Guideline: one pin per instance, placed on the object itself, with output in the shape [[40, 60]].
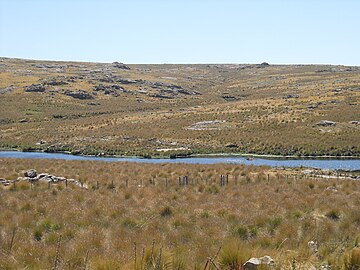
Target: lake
[[333, 164]]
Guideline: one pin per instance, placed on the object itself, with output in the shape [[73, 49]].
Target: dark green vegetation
[[163, 110]]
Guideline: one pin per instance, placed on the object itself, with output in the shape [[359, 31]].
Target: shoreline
[[208, 155]]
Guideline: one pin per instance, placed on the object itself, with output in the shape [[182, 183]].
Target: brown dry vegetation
[[266, 109], [160, 225]]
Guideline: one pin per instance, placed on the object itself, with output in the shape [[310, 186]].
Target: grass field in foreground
[[153, 223]]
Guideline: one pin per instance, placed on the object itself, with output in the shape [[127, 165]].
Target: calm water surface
[[346, 164]]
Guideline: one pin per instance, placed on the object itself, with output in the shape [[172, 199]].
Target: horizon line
[[181, 63]]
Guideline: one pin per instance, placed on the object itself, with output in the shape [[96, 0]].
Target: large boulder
[[30, 173]]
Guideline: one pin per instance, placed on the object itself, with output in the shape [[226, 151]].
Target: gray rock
[[121, 65], [93, 103], [254, 263], [188, 92], [291, 96], [42, 175], [229, 98], [6, 89], [127, 81], [313, 106], [313, 246], [163, 84], [55, 82], [30, 173], [162, 96], [4, 182], [326, 123], [231, 145], [35, 88], [110, 89], [79, 94], [41, 142]]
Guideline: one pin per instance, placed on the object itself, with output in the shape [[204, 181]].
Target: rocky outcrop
[[35, 88], [120, 66], [113, 90], [79, 94], [32, 176], [117, 79], [169, 90]]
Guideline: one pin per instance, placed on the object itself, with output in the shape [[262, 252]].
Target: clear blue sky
[[198, 31]]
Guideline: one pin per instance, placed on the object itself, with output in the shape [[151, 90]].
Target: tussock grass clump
[[234, 254], [352, 261]]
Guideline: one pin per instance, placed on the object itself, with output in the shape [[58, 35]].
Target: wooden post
[[222, 180], [66, 183]]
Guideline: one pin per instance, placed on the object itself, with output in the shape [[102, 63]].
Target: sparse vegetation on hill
[[160, 110], [137, 216]]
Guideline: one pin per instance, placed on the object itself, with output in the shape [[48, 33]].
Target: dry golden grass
[[160, 225], [261, 120]]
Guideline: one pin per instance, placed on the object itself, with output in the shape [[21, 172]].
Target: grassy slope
[[254, 216], [260, 120]]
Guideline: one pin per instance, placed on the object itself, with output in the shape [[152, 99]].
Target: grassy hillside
[[153, 110], [136, 216]]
